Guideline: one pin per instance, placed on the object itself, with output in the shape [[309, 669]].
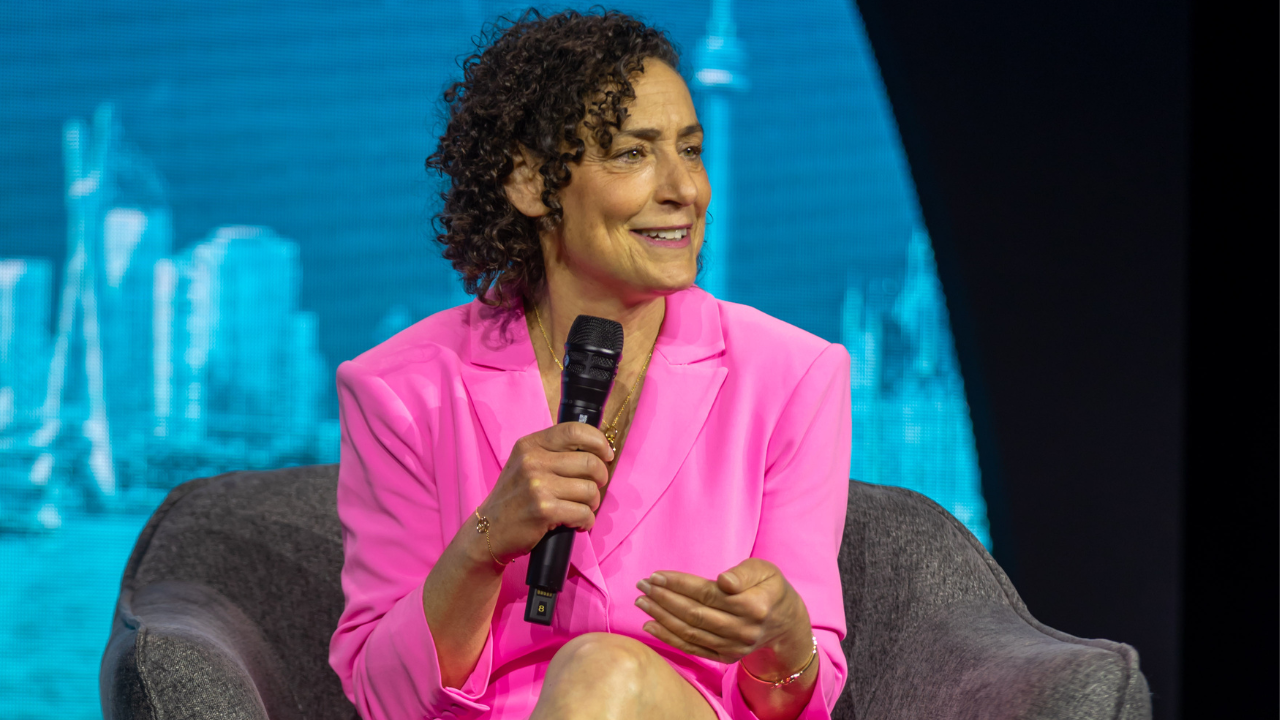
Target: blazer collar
[[498, 338], [684, 379], [690, 328]]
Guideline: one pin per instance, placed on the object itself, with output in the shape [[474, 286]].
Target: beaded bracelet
[[788, 679]]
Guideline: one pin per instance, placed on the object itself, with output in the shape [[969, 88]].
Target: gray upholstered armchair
[[232, 591]]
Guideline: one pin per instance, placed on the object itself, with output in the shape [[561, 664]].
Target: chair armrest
[[985, 661], [935, 628], [182, 650]]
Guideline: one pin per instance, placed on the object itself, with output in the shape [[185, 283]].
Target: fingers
[[572, 514], [698, 624], [576, 465], [546, 471], [583, 492], [696, 588], [746, 575], [754, 587], [658, 630], [568, 436], [547, 492], [554, 512], [575, 476]]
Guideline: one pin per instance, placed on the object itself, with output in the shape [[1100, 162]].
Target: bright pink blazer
[[739, 448]]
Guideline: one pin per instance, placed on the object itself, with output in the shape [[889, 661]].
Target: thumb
[[744, 576]]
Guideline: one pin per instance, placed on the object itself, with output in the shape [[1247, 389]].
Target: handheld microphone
[[591, 357]]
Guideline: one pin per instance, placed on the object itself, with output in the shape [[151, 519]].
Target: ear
[[524, 185]]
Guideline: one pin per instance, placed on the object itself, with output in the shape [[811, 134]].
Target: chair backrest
[[259, 556], [234, 589]]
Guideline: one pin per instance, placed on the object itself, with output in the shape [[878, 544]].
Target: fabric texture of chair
[[232, 592]]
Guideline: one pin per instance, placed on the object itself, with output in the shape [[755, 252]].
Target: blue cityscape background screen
[[207, 206]]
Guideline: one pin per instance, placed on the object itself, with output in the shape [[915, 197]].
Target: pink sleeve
[[387, 501], [802, 519]]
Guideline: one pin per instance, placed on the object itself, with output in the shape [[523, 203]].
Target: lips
[[671, 236], [663, 238], [678, 232]]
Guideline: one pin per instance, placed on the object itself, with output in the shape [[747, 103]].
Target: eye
[[693, 152], [631, 154]]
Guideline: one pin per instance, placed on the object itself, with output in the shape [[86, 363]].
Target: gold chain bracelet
[[482, 527], [788, 679]]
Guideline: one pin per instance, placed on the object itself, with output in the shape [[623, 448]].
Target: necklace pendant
[[611, 434]]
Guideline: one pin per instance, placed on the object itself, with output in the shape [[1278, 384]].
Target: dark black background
[[1099, 179], [1230, 620]]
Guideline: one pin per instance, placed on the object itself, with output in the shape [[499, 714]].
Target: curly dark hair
[[532, 82]]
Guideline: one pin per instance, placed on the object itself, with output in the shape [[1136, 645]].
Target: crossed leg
[[613, 677]]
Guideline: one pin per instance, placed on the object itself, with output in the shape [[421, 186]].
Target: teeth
[[666, 234]]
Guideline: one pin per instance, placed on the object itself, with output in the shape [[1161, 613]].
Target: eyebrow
[[652, 134]]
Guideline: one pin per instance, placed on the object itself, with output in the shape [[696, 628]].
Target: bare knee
[[616, 661], [597, 675], [600, 675]]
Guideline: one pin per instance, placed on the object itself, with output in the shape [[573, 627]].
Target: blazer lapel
[[502, 381], [684, 379], [505, 389]]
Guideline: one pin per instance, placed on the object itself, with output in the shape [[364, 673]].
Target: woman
[[710, 505]]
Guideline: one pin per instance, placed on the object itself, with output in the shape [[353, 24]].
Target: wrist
[[780, 659], [787, 653], [784, 681], [474, 546]]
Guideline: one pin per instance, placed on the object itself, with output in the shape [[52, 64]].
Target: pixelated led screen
[[207, 206]]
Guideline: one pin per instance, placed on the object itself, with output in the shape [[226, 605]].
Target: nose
[[677, 184]]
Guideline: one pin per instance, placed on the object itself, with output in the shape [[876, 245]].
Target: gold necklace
[[610, 430]]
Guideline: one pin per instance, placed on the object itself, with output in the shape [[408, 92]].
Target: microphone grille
[[596, 332]]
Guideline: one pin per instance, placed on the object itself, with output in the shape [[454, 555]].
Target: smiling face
[[635, 215]]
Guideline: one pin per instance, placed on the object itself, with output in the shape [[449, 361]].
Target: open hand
[[749, 609]]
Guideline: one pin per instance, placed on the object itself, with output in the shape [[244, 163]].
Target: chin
[[677, 276], [658, 285], [667, 286]]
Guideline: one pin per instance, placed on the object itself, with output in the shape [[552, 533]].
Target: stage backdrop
[[207, 206]]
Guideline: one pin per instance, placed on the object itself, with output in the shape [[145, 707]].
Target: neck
[[559, 307]]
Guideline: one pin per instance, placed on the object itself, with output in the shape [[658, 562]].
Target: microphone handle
[[549, 559]]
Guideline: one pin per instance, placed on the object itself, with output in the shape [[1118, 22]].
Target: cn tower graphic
[[719, 74]]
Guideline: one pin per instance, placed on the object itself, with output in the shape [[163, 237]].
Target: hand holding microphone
[[554, 477]]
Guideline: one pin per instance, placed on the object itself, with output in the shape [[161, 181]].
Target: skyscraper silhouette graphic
[[117, 225]]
